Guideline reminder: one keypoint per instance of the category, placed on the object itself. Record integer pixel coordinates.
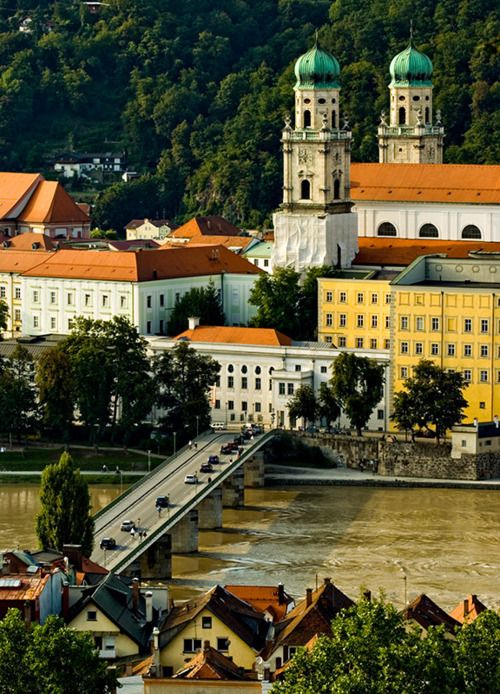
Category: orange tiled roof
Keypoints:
(201, 240)
(25, 242)
(235, 335)
(12, 260)
(209, 664)
(206, 226)
(375, 250)
(13, 188)
(26, 587)
(451, 183)
(51, 204)
(142, 266)
(263, 598)
(468, 609)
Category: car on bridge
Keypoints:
(127, 525)
(228, 448)
(108, 543)
(191, 479)
(206, 467)
(162, 501)
(213, 459)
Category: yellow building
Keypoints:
(438, 308)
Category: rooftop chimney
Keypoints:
(367, 594)
(149, 606)
(466, 607)
(327, 580)
(193, 322)
(309, 597)
(135, 593)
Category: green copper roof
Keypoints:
(317, 69)
(410, 68)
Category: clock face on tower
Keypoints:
(304, 156)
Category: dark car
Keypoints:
(213, 459)
(228, 448)
(108, 543)
(206, 467)
(162, 501)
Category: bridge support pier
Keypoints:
(185, 534)
(155, 563)
(233, 489)
(210, 511)
(254, 470)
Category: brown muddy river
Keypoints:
(447, 541)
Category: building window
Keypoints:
(467, 350)
(387, 344)
(374, 321)
(342, 320)
(404, 372)
(359, 342)
(360, 298)
(404, 348)
(70, 324)
(434, 324)
(192, 645)
(217, 405)
(52, 297)
(257, 407)
(36, 321)
(230, 368)
(230, 404)
(105, 300)
(419, 348)
(323, 370)
(388, 299)
(148, 301)
(258, 384)
(230, 381)
(17, 293)
(471, 231)
(290, 388)
(451, 350)
(148, 327)
(387, 321)
(401, 115)
(17, 315)
(305, 190)
(484, 351)
(380, 414)
(373, 344)
(329, 296)
(342, 297)
(244, 369)
(3, 292)
(428, 231)
(467, 325)
(258, 370)
(244, 406)
(298, 367)
(336, 189)
(52, 323)
(266, 262)
(162, 300)
(360, 320)
(419, 323)
(328, 339)
(222, 644)
(244, 383)
(281, 389)
(91, 616)
(434, 349)
(342, 342)
(161, 327)
(485, 325)
(404, 322)
(69, 299)
(87, 300)
(482, 406)
(467, 374)
(329, 319)
(36, 296)
(386, 229)
(374, 298)
(484, 375)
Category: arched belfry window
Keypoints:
(471, 231)
(334, 119)
(428, 231)
(336, 189)
(402, 116)
(386, 229)
(307, 119)
(305, 190)
(427, 114)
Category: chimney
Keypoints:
(309, 597)
(74, 554)
(206, 646)
(149, 606)
(193, 322)
(327, 580)
(156, 667)
(27, 614)
(135, 593)
(281, 594)
(367, 594)
(65, 598)
(466, 607)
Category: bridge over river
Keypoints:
(192, 506)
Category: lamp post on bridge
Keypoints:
(119, 472)
(197, 425)
(175, 443)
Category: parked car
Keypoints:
(162, 501)
(127, 526)
(218, 426)
(108, 543)
(190, 479)
(213, 459)
(206, 467)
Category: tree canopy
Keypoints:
(17, 394)
(64, 516)
(303, 404)
(50, 658)
(203, 302)
(432, 398)
(357, 385)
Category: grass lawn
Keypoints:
(32, 459)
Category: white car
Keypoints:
(127, 526)
(190, 479)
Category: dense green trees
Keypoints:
(432, 398)
(17, 394)
(64, 516)
(195, 92)
(50, 658)
(303, 405)
(371, 650)
(203, 302)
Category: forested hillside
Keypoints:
(195, 91)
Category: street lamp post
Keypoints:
(149, 461)
(175, 443)
(197, 425)
(119, 472)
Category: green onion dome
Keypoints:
(317, 69)
(410, 68)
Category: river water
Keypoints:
(446, 541)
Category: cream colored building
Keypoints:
(156, 229)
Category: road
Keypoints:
(138, 504)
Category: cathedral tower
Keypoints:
(315, 225)
(410, 137)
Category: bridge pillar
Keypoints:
(155, 563)
(254, 470)
(185, 534)
(233, 489)
(210, 511)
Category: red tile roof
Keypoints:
(401, 252)
(426, 613)
(209, 664)
(13, 188)
(217, 240)
(468, 609)
(12, 260)
(26, 241)
(235, 335)
(207, 226)
(51, 204)
(264, 598)
(450, 183)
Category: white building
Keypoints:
(156, 229)
(261, 369)
(140, 285)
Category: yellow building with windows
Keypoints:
(438, 308)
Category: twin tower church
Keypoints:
(315, 224)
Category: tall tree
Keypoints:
(432, 398)
(50, 658)
(303, 404)
(328, 407)
(184, 379)
(4, 315)
(17, 394)
(55, 391)
(358, 385)
(64, 516)
(278, 298)
(203, 302)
